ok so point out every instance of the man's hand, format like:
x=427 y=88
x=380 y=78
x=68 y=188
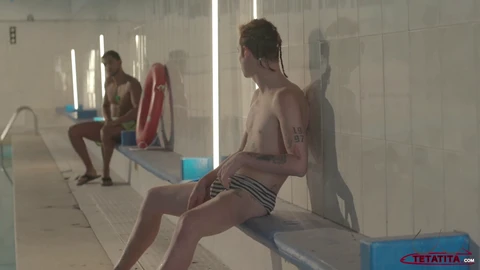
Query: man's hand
x=230 y=167
x=199 y=195
x=111 y=123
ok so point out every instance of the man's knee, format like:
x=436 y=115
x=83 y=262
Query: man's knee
x=106 y=133
x=74 y=131
x=153 y=201
x=109 y=134
x=189 y=224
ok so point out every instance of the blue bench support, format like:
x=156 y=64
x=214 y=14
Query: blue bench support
x=194 y=168
x=128 y=138
x=387 y=252
x=71 y=108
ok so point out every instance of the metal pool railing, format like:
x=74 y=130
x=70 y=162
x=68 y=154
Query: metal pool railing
x=7 y=130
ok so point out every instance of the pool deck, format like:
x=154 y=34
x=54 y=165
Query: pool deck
x=52 y=232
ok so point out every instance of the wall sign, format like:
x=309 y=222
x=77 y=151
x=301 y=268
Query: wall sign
x=13 y=35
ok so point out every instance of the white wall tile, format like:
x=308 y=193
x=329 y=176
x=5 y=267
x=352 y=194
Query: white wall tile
x=295 y=23
x=296 y=65
x=459 y=91
x=425 y=82
x=371 y=86
x=369 y=17
x=423 y=13
x=461 y=193
x=397 y=87
x=348 y=24
x=476 y=56
x=300 y=191
x=399 y=171
x=347 y=97
x=343 y=180
x=374 y=188
x=428 y=190
x=280 y=18
x=328 y=16
x=452 y=12
x=311 y=21
x=394 y=15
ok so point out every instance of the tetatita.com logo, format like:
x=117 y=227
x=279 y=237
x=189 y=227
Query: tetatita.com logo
x=439 y=258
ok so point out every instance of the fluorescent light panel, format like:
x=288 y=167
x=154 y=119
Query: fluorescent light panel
x=215 y=86
x=74 y=79
x=102 y=67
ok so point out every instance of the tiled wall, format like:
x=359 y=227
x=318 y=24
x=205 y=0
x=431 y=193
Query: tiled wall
x=393 y=89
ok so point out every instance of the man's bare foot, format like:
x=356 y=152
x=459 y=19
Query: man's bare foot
x=107 y=181
x=87 y=177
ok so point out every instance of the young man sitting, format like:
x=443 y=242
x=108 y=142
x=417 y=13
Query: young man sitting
x=120 y=106
x=246 y=184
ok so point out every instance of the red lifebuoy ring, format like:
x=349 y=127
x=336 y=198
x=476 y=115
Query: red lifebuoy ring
x=151 y=105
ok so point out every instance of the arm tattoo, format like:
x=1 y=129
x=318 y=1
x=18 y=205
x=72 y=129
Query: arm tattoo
x=275 y=159
x=298 y=134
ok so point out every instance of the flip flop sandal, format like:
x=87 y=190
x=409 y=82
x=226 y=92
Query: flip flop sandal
x=107 y=181
x=83 y=179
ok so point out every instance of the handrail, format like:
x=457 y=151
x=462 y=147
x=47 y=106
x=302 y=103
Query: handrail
x=7 y=130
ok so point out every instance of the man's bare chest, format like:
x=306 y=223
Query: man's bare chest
x=116 y=94
x=261 y=122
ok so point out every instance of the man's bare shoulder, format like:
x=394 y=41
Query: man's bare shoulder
x=134 y=83
x=290 y=95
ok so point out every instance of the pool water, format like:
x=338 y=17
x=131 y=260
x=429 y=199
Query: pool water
x=7 y=228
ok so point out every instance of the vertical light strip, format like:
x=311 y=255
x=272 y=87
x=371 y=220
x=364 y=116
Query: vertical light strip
x=102 y=67
x=215 y=86
x=74 y=79
x=137 y=57
x=255 y=16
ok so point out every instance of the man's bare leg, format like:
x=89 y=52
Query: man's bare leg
x=228 y=209
x=108 y=135
x=76 y=133
x=169 y=200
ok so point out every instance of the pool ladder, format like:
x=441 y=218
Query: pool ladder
x=7 y=130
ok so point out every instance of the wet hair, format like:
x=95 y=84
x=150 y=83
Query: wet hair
x=112 y=54
x=263 y=40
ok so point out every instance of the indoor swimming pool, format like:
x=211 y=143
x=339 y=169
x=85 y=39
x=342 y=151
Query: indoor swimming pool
x=7 y=229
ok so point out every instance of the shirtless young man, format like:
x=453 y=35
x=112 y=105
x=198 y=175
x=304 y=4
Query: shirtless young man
x=120 y=106
x=246 y=184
